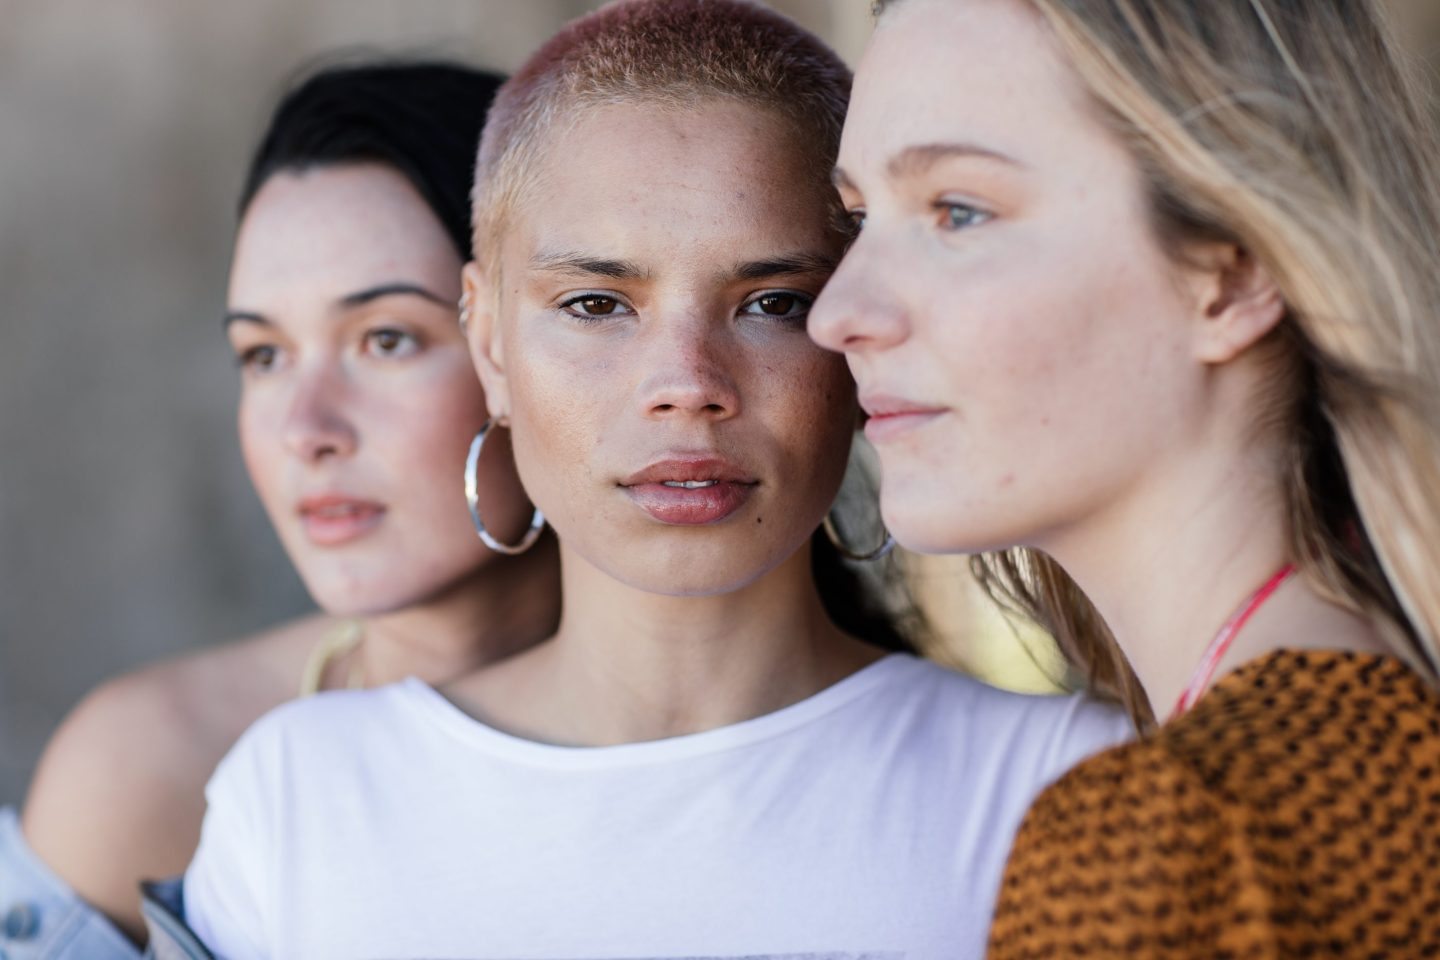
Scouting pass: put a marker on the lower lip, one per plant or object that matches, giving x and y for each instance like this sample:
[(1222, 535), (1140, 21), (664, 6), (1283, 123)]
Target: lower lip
[(892, 426), (690, 507), (333, 529)]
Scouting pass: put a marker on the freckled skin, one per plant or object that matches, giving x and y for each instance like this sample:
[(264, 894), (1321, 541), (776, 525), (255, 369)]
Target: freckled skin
[(1054, 334), (398, 428), (582, 399)]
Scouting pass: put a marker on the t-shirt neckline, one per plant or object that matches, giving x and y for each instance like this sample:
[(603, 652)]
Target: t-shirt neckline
[(437, 708)]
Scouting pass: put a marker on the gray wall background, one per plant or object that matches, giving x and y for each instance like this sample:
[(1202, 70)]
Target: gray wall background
[(127, 528)]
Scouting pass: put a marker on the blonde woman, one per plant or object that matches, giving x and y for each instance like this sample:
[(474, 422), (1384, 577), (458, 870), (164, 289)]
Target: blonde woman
[(1146, 295)]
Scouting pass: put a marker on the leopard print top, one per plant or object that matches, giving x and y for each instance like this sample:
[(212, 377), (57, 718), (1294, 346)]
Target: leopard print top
[(1293, 812)]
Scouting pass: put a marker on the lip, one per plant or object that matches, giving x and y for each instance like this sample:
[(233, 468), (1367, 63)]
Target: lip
[(891, 416), (732, 488), (333, 519)]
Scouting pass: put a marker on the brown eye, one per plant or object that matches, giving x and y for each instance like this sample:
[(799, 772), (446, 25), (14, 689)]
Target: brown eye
[(389, 342), (597, 306), (779, 305), (260, 359)]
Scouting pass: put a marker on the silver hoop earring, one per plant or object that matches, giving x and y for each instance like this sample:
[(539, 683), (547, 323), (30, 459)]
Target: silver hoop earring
[(464, 306), (833, 533), (472, 498)]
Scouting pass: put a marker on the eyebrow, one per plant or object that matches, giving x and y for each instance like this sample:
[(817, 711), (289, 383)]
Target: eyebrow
[(788, 264), (916, 160), (351, 300), (593, 266)]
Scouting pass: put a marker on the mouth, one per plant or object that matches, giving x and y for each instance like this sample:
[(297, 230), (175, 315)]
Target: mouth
[(690, 491), (891, 417), (333, 519)]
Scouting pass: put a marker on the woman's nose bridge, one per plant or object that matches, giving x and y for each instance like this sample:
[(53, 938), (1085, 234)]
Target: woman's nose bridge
[(689, 363), (858, 305), (315, 421)]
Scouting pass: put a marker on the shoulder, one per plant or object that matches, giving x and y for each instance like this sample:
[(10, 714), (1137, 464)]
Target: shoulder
[(118, 793), (1056, 730), (326, 735), (167, 724), (1291, 767)]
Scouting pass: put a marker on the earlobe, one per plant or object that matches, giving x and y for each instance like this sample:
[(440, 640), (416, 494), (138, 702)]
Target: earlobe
[(1240, 304), (483, 336)]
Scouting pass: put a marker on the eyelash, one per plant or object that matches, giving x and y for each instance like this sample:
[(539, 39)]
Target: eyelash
[(978, 217), (263, 357), (249, 358), (791, 316), (946, 208), (593, 318), (404, 336)]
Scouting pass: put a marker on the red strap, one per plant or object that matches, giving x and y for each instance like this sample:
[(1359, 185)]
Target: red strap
[(1221, 644)]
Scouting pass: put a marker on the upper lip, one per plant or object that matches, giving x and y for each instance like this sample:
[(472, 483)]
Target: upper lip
[(693, 467), (885, 405), (329, 501)]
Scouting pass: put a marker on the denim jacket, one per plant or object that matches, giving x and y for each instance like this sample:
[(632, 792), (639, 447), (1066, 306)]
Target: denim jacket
[(41, 918), (163, 905)]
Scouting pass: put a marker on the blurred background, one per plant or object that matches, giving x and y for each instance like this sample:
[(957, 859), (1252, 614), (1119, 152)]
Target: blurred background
[(128, 530)]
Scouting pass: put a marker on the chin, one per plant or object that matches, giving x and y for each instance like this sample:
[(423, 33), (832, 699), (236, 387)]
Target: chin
[(923, 530), (696, 576), (366, 597)]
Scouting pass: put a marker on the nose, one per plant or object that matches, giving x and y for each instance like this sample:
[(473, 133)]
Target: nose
[(689, 373), (858, 310), (315, 426)]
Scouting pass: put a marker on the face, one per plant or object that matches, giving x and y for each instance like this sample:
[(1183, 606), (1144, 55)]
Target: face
[(670, 416), (1018, 336), (357, 396)]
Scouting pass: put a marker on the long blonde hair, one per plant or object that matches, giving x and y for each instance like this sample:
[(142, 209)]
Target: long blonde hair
[(1293, 129)]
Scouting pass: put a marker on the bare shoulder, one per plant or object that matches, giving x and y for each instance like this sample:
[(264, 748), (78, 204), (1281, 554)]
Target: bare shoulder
[(119, 793)]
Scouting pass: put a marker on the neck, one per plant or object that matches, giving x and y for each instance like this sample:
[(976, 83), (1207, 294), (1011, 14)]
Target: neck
[(1170, 564), (505, 606), (628, 665)]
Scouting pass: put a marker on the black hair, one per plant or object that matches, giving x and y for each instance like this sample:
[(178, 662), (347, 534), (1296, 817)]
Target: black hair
[(874, 605), (422, 118)]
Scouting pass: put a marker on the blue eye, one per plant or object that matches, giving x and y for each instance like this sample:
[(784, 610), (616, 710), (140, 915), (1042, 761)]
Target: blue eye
[(779, 305), (959, 216)]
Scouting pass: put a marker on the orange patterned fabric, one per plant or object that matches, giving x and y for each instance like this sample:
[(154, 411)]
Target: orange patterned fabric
[(1294, 812)]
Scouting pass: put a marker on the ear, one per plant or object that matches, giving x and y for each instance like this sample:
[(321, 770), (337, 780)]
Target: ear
[(482, 330), (1239, 303)]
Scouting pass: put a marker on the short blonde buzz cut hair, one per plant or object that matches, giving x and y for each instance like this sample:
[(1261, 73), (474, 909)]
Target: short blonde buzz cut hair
[(666, 53)]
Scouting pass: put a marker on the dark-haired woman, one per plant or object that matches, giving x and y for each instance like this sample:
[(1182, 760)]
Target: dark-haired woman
[(358, 402)]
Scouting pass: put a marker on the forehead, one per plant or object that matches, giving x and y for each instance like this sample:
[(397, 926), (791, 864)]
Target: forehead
[(330, 231), (668, 182), (983, 72)]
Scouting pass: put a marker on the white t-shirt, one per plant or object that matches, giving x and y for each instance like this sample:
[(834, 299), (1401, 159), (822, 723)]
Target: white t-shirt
[(868, 822)]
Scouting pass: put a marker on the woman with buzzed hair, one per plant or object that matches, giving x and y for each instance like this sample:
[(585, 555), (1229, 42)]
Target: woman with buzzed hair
[(717, 753)]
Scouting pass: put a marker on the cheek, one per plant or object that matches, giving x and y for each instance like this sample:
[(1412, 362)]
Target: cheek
[(1067, 372), (1074, 340), (557, 409), (813, 426), (260, 425), (423, 432)]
